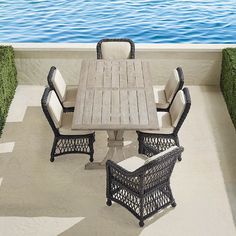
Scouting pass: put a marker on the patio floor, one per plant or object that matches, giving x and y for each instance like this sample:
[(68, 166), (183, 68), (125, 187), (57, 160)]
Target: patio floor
[(38, 197)]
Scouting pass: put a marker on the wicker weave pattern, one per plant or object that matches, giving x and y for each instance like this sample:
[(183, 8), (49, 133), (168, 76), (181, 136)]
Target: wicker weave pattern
[(146, 190), (161, 142), (99, 48), (158, 142), (71, 145), (64, 144)]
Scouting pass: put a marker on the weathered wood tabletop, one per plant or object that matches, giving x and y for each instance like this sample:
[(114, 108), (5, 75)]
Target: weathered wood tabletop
[(115, 95)]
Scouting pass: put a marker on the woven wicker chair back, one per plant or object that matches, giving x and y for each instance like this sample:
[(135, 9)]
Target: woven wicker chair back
[(115, 49)]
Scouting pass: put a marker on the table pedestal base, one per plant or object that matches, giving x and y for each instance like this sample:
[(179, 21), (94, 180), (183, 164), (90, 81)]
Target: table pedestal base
[(115, 143)]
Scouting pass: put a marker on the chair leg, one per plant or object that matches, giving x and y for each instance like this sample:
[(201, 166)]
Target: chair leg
[(92, 140), (141, 223), (170, 195), (140, 148), (53, 150), (109, 202), (91, 157), (177, 144)]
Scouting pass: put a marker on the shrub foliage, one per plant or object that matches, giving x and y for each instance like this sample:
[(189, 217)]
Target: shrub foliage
[(8, 82), (228, 81)]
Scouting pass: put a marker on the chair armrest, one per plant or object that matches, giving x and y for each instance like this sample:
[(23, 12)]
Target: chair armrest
[(151, 150), (126, 178)]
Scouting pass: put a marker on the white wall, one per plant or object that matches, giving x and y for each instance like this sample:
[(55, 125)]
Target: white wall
[(201, 63)]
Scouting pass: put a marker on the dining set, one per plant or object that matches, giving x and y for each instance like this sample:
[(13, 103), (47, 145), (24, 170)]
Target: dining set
[(115, 94)]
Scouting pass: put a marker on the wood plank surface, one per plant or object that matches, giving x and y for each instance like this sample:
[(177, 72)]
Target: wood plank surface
[(115, 74), (124, 107), (97, 107), (107, 74), (115, 107), (131, 74), (133, 107), (123, 75), (115, 95), (139, 74), (91, 73), (106, 107), (99, 74), (149, 93), (81, 93), (142, 107), (88, 107)]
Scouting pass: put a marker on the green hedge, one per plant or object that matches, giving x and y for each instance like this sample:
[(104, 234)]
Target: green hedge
[(228, 81), (8, 82)]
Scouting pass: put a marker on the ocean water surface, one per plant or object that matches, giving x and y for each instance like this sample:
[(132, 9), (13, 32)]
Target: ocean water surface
[(146, 21)]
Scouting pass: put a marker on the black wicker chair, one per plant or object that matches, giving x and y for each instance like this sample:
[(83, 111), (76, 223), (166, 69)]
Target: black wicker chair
[(146, 190), (131, 53), (164, 97), (163, 140), (66, 140), (66, 94)]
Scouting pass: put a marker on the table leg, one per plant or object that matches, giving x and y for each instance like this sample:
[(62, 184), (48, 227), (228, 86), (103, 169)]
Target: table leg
[(115, 143), (119, 146)]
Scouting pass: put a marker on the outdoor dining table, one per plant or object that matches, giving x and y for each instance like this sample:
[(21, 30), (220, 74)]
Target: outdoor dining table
[(114, 95)]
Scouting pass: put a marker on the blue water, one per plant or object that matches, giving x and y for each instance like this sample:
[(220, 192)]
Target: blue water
[(146, 21)]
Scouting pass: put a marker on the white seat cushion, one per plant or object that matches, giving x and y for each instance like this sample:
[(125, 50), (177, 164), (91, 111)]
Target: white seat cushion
[(164, 121), (115, 50), (66, 124), (172, 86), (177, 108), (71, 92), (54, 108), (59, 84), (160, 154), (131, 164), (160, 98)]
